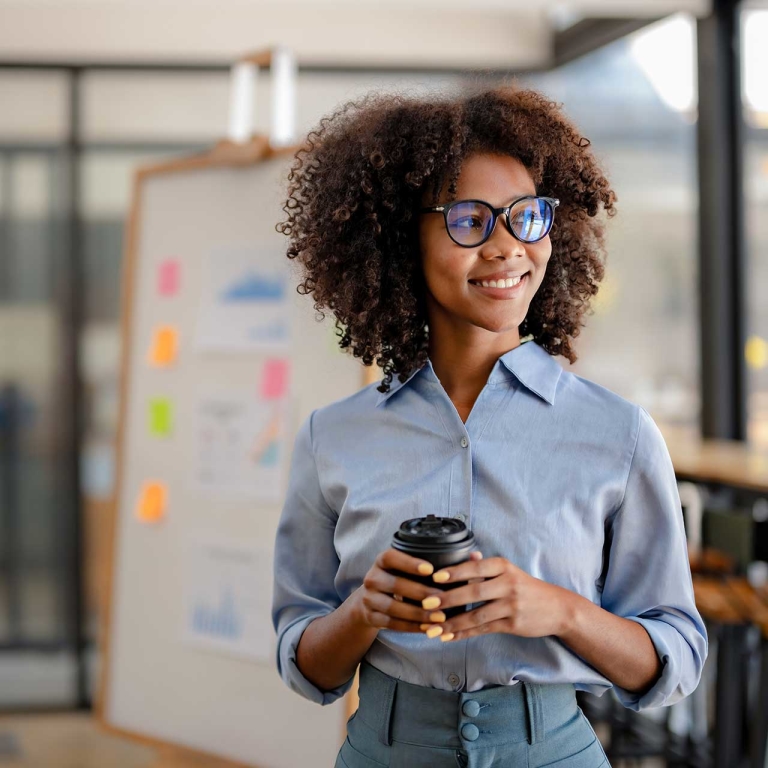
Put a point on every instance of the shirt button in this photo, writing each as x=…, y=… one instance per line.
x=453, y=679
x=461, y=517
x=464, y=442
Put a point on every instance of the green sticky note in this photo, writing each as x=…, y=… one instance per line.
x=160, y=417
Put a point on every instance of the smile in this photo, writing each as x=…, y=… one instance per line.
x=502, y=292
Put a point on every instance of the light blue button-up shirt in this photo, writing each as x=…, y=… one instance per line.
x=564, y=478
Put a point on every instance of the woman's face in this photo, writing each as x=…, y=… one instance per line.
x=450, y=269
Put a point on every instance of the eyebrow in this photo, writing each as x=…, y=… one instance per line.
x=510, y=199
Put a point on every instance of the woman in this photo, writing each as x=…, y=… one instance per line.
x=404, y=214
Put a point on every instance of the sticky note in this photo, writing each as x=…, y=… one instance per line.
x=274, y=380
x=151, y=506
x=168, y=275
x=160, y=416
x=164, y=345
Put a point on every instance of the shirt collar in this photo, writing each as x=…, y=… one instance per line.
x=529, y=362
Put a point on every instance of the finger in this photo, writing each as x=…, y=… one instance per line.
x=477, y=555
x=378, y=580
x=491, y=589
x=470, y=569
x=393, y=560
x=385, y=621
x=381, y=603
x=478, y=617
x=500, y=625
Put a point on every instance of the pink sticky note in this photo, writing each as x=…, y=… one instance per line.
x=274, y=381
x=168, y=277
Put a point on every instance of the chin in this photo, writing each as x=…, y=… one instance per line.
x=498, y=327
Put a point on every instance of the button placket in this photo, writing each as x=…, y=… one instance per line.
x=470, y=708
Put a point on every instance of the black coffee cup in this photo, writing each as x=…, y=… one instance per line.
x=442, y=541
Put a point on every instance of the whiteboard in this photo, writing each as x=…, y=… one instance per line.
x=208, y=421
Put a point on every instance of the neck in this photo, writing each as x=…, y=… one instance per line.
x=463, y=361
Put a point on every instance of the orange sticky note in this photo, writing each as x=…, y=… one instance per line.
x=164, y=345
x=151, y=507
x=274, y=381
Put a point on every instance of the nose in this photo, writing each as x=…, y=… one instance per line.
x=502, y=242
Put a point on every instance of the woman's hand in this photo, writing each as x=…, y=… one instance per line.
x=380, y=602
x=518, y=603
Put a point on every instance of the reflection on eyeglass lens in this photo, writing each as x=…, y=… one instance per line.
x=531, y=219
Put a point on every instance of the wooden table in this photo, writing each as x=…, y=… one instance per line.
x=727, y=462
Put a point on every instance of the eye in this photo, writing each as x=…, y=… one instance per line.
x=470, y=222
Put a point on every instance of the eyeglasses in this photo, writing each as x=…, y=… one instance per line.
x=471, y=222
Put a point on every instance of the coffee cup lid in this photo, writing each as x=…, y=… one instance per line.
x=432, y=529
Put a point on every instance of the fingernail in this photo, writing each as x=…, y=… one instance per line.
x=441, y=576
x=437, y=616
x=447, y=636
x=424, y=626
x=428, y=603
x=434, y=632
x=426, y=568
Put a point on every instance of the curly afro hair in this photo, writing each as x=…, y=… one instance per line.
x=358, y=180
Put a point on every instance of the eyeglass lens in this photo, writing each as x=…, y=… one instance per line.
x=469, y=223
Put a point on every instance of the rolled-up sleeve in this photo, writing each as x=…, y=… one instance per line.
x=648, y=575
x=305, y=565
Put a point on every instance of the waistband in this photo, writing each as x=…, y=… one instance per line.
x=494, y=716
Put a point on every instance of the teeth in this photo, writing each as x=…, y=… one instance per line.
x=509, y=283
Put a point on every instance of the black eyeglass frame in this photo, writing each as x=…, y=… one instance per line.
x=553, y=202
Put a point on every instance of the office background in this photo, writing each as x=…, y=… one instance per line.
x=674, y=102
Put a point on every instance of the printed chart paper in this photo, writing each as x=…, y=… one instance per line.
x=241, y=447
x=227, y=597
x=244, y=305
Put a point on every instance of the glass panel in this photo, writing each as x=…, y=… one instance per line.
x=34, y=513
x=755, y=95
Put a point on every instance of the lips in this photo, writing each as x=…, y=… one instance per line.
x=502, y=293
x=497, y=277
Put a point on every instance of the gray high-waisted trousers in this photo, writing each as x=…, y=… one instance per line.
x=402, y=725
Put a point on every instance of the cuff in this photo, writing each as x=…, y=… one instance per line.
x=673, y=684
x=289, y=670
